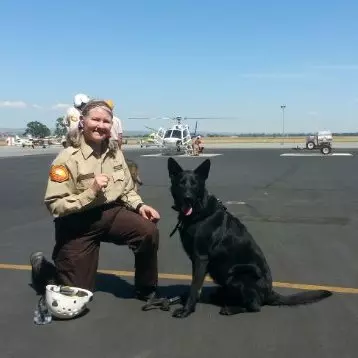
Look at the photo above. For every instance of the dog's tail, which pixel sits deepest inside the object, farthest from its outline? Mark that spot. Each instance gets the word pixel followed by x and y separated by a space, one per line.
pixel 301 298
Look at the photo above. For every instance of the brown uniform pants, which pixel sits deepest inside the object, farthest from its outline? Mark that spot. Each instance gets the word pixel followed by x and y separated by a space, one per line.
pixel 78 238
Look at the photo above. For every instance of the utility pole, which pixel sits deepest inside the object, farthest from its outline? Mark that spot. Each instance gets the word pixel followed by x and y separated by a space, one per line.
pixel 283 123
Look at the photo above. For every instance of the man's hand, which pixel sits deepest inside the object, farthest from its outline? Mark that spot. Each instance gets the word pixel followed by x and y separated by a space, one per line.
pixel 149 213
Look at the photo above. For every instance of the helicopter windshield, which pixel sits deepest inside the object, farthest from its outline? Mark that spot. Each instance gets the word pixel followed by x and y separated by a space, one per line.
pixel 173 134
pixel 176 134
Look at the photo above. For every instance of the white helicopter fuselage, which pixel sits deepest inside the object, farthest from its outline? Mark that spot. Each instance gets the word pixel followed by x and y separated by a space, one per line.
pixel 176 139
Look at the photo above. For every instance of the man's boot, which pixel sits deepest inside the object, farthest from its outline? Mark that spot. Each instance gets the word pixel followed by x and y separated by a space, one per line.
pixel 43 272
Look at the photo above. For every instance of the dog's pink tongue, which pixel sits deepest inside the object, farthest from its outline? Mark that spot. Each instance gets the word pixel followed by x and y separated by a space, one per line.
pixel 187 211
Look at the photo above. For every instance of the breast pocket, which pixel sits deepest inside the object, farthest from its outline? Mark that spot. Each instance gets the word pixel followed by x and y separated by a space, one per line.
pixel 84 181
pixel 118 184
pixel 118 175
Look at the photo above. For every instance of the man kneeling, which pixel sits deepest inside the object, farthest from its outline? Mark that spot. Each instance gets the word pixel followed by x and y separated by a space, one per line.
pixel 91 195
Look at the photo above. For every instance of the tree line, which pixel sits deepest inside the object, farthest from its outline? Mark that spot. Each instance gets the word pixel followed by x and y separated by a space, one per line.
pixel 40 130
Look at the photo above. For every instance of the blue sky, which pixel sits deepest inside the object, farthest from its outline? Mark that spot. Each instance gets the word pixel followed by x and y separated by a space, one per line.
pixel 241 59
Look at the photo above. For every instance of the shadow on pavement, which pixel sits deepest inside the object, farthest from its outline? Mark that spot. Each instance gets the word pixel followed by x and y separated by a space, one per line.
pixel 113 284
pixel 121 288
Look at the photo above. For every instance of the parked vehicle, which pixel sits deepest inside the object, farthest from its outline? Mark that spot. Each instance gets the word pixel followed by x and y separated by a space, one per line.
pixel 322 141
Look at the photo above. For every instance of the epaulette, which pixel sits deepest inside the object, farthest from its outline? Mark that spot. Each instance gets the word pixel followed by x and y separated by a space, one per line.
pixel 65 154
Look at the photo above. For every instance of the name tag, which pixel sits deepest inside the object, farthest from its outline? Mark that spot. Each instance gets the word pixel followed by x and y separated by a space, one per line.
pixel 85 176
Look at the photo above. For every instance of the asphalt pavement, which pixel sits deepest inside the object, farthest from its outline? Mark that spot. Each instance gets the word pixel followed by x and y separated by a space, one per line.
pixel 301 210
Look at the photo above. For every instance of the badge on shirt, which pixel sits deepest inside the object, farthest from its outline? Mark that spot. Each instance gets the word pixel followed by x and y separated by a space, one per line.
pixel 118 167
pixel 59 173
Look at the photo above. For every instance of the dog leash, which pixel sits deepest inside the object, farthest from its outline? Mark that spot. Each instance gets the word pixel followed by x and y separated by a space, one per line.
pixel 161 303
pixel 179 223
pixel 177 226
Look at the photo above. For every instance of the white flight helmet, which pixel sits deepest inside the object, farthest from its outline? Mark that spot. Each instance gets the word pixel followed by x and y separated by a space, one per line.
pixel 80 99
pixel 67 302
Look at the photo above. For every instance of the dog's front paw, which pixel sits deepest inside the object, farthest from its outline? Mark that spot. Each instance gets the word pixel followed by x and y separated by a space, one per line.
pixel 182 312
pixel 231 310
pixel 225 311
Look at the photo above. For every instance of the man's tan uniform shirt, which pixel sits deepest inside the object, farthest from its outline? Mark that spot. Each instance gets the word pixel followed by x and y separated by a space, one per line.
pixel 72 174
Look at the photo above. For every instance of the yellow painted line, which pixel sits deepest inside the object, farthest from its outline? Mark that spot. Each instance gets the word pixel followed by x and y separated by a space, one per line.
pixel 182 277
pixel 15 267
pixel 301 286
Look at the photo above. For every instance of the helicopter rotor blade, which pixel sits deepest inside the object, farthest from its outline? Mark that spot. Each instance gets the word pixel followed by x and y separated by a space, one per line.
pixel 152 129
pixel 150 118
pixel 141 118
pixel 211 117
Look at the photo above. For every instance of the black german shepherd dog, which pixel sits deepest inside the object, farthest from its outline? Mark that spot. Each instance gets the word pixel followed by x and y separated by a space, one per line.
pixel 218 244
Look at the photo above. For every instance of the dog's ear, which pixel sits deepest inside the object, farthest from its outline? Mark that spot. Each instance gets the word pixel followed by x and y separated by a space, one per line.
pixel 173 167
pixel 203 169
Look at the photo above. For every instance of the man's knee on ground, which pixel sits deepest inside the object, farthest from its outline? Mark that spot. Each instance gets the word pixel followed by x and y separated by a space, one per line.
pixel 76 263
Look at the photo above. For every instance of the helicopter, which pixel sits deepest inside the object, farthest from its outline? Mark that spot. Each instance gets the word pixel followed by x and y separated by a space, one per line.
pixel 177 138
pixel 174 140
pixel 153 139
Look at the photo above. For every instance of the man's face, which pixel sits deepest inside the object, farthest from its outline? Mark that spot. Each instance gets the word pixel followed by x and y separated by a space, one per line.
pixel 97 124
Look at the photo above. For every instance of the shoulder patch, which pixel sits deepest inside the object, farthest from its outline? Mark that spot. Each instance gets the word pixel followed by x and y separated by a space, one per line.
pixel 59 173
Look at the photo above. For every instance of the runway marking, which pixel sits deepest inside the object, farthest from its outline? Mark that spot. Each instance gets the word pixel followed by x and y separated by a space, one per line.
pixel 316 155
pixel 159 155
pixel 183 277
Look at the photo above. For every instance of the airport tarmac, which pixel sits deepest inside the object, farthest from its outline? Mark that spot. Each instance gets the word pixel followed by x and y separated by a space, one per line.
pixel 301 210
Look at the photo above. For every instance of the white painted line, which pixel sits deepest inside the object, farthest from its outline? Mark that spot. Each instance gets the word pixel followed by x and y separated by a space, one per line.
pixel 342 155
pixel 316 155
pixel 235 203
pixel 205 155
pixel 152 155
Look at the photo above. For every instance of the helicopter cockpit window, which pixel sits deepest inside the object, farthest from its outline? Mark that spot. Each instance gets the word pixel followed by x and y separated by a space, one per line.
pixel 167 134
pixel 176 134
pixel 185 133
